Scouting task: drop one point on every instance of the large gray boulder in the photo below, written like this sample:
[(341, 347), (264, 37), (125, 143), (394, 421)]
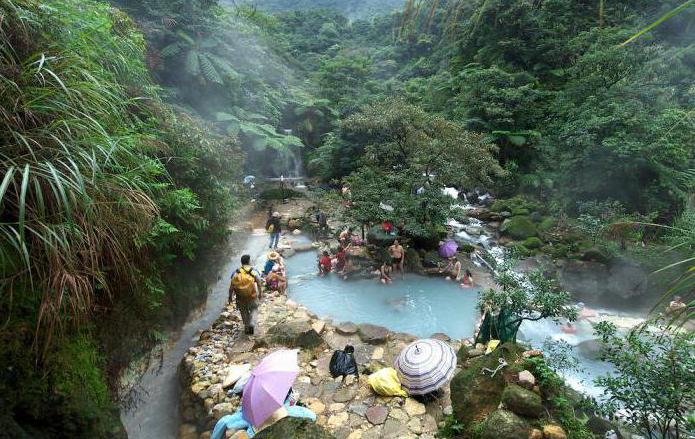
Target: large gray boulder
[(294, 334), (372, 334)]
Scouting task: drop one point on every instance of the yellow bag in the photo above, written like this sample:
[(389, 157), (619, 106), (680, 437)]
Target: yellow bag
[(385, 382), (271, 228), (492, 345)]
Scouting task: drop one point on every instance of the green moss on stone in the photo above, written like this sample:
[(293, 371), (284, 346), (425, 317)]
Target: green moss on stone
[(519, 227), (533, 243)]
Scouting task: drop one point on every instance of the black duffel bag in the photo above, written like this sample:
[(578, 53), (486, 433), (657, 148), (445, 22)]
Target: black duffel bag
[(343, 363)]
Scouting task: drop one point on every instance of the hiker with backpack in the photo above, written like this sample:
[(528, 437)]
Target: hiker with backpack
[(246, 287), (273, 227)]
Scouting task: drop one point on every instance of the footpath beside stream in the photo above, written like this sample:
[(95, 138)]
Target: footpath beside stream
[(156, 414)]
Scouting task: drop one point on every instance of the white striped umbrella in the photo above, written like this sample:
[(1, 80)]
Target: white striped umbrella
[(425, 365)]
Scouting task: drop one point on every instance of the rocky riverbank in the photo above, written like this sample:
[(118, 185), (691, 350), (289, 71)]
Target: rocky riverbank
[(350, 410)]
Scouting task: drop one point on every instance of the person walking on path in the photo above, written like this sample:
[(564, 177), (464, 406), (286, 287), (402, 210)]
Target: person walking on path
[(246, 287), (273, 227)]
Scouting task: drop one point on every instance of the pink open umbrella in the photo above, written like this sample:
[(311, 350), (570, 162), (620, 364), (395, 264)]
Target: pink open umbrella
[(267, 388), (448, 249)]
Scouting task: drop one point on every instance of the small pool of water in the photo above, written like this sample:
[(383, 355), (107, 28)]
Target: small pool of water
[(417, 305)]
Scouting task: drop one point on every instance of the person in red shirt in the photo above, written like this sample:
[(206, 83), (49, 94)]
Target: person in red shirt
[(324, 264), (340, 260), (387, 226)]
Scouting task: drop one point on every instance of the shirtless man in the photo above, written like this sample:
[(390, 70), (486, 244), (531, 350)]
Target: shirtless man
[(398, 256)]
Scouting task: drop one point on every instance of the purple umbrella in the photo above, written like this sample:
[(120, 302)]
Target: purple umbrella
[(267, 388), (448, 249)]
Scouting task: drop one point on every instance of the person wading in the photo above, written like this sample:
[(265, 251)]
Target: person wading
[(246, 287), (273, 227)]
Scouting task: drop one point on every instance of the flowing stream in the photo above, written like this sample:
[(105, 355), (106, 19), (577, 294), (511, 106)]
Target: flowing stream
[(157, 412)]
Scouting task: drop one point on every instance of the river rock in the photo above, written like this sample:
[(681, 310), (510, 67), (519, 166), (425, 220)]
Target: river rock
[(535, 434), (522, 402), (372, 334), (504, 424), (344, 395), (318, 326), (346, 328), (526, 379), (338, 419), (294, 334), (377, 414), (441, 337), (221, 409), (414, 408), (394, 429), (590, 349), (315, 405), (552, 431)]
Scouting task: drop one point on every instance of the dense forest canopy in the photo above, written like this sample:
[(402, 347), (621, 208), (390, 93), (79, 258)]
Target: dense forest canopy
[(126, 127)]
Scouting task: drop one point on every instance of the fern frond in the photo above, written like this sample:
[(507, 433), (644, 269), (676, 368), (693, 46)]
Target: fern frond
[(209, 70), (193, 63)]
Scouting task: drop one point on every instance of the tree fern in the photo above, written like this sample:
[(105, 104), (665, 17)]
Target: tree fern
[(209, 70), (193, 63)]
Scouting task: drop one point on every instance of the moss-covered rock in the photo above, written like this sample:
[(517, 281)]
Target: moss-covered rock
[(296, 429), (474, 395), (533, 243), (546, 224), (516, 204), (596, 255), (522, 402), (507, 425), (519, 227)]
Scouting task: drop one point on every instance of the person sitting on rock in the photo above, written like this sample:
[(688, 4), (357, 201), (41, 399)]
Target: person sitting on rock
[(276, 281), (453, 269), (385, 272), (325, 264)]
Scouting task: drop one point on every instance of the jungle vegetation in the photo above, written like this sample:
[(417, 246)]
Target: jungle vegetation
[(125, 128)]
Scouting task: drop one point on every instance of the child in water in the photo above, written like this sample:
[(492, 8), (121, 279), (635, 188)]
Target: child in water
[(467, 279), (385, 272)]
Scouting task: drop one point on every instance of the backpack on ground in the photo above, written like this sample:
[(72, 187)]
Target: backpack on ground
[(244, 284), (343, 363)]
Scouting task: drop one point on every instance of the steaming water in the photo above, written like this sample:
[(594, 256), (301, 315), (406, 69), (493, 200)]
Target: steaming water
[(416, 305), (422, 306)]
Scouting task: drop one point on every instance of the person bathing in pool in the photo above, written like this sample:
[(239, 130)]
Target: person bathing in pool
[(385, 272)]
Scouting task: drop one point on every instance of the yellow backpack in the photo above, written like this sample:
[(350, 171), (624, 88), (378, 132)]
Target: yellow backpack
[(244, 284)]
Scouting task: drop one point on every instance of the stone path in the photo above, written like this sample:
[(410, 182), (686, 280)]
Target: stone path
[(349, 410)]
